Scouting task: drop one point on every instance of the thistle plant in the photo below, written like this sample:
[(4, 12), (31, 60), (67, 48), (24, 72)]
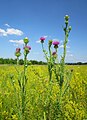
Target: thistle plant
[(58, 67), (20, 93), (17, 54)]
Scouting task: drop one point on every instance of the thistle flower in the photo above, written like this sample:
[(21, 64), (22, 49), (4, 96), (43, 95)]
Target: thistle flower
[(54, 54), (55, 43), (26, 40), (18, 49), (17, 53), (27, 49), (42, 39)]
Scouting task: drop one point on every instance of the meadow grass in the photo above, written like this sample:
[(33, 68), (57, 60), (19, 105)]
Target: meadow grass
[(74, 102)]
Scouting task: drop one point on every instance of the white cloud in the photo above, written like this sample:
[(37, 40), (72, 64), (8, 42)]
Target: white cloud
[(45, 36), (7, 25), (38, 41), (62, 46), (2, 32), (15, 45), (55, 39), (69, 55), (10, 31), (17, 42)]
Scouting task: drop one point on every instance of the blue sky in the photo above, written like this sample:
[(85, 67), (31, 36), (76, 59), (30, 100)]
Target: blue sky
[(36, 18)]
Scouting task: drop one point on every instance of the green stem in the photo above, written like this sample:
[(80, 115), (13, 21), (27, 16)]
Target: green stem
[(44, 52), (48, 61), (44, 116), (23, 91), (17, 60), (62, 70)]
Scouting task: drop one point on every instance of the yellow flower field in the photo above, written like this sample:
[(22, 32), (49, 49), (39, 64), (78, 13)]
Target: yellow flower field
[(38, 96)]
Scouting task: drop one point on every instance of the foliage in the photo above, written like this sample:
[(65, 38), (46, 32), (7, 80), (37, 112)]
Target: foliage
[(74, 103), (62, 76), (11, 61)]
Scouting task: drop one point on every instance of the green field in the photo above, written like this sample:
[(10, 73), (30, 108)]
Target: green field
[(38, 99)]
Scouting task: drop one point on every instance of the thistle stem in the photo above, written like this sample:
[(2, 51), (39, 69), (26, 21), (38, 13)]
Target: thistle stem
[(17, 60)]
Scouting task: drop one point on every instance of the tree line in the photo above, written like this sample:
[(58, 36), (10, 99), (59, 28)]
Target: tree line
[(21, 61), (31, 62)]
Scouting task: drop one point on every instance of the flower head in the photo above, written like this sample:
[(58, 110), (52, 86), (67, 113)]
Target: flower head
[(18, 49), (17, 53), (42, 39), (56, 43), (26, 40), (27, 49), (54, 54)]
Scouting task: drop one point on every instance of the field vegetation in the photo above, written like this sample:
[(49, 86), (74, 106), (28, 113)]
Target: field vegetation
[(74, 102)]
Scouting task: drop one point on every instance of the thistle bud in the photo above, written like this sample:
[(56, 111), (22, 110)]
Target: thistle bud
[(66, 17), (70, 28), (50, 43), (17, 54), (26, 40), (66, 22)]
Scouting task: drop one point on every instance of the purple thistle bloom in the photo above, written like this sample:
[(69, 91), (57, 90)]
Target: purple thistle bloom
[(27, 47), (18, 49), (17, 53), (55, 43), (42, 39), (54, 54)]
